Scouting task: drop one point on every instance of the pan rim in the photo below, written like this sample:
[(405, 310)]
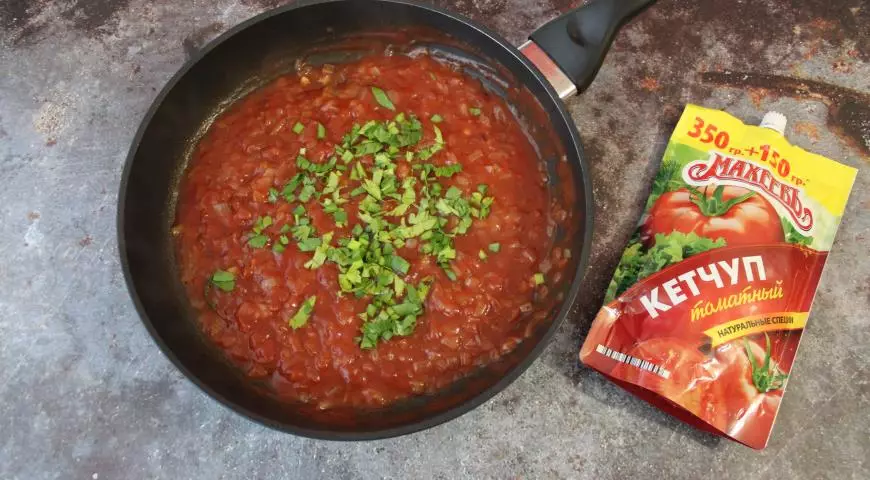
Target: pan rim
[(342, 435)]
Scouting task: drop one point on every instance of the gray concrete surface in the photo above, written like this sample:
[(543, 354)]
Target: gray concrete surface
[(84, 392)]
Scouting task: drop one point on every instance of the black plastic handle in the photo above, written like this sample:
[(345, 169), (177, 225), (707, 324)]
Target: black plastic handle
[(578, 40)]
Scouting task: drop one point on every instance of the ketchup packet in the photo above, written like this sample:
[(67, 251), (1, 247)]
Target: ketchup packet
[(706, 308)]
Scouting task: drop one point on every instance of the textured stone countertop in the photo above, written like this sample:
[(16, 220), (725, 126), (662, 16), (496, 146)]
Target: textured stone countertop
[(86, 394)]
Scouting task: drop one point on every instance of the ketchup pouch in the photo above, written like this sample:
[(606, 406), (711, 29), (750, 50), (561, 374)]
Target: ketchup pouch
[(706, 308)]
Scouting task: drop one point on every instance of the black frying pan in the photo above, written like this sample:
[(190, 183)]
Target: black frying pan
[(562, 57)]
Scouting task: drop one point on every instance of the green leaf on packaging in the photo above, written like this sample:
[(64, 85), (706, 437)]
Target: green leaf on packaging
[(637, 263), (792, 235)]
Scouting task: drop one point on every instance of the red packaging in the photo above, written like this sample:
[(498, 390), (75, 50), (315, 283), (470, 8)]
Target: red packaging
[(707, 306)]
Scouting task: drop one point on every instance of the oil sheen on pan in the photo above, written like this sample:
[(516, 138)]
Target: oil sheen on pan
[(358, 234)]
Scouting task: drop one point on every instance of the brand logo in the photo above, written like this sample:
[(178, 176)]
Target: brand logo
[(745, 172)]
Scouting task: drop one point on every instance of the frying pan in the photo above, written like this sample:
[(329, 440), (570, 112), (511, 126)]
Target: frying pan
[(560, 59)]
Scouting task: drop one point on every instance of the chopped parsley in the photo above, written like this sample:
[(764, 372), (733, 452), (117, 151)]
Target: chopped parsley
[(302, 315), (448, 170), (319, 253), (399, 264), (538, 278), (261, 223), (258, 241), (382, 324), (391, 211), (494, 247), (382, 98), (289, 190), (474, 111), (309, 244), (223, 280)]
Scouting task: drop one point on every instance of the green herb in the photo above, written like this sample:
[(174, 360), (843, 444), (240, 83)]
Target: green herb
[(306, 193), (448, 170), (538, 278), (427, 152), (637, 263), (391, 210), (261, 223), (474, 111), (481, 255), (302, 315), (480, 205), (298, 128), (373, 187), (223, 280), (340, 217), (399, 265), (384, 322), (382, 98), (290, 188), (463, 225), (398, 286), (319, 253), (494, 247), (367, 148), (309, 244), (258, 241), (332, 183)]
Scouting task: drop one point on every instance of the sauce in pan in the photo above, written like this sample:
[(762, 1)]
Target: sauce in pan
[(361, 233)]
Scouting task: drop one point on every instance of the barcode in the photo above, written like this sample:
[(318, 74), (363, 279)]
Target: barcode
[(636, 362)]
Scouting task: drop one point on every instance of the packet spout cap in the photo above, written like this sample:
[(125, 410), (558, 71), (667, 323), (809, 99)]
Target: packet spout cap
[(774, 121)]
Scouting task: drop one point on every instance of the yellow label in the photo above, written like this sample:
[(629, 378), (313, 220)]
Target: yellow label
[(827, 182), (767, 322)]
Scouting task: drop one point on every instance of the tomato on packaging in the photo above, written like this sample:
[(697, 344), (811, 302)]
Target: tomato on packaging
[(683, 363), (735, 214), (706, 308), (756, 382)]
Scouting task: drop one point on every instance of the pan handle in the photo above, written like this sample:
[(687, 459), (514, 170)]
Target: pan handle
[(577, 41)]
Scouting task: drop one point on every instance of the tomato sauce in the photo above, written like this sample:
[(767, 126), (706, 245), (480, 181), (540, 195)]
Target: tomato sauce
[(467, 323)]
